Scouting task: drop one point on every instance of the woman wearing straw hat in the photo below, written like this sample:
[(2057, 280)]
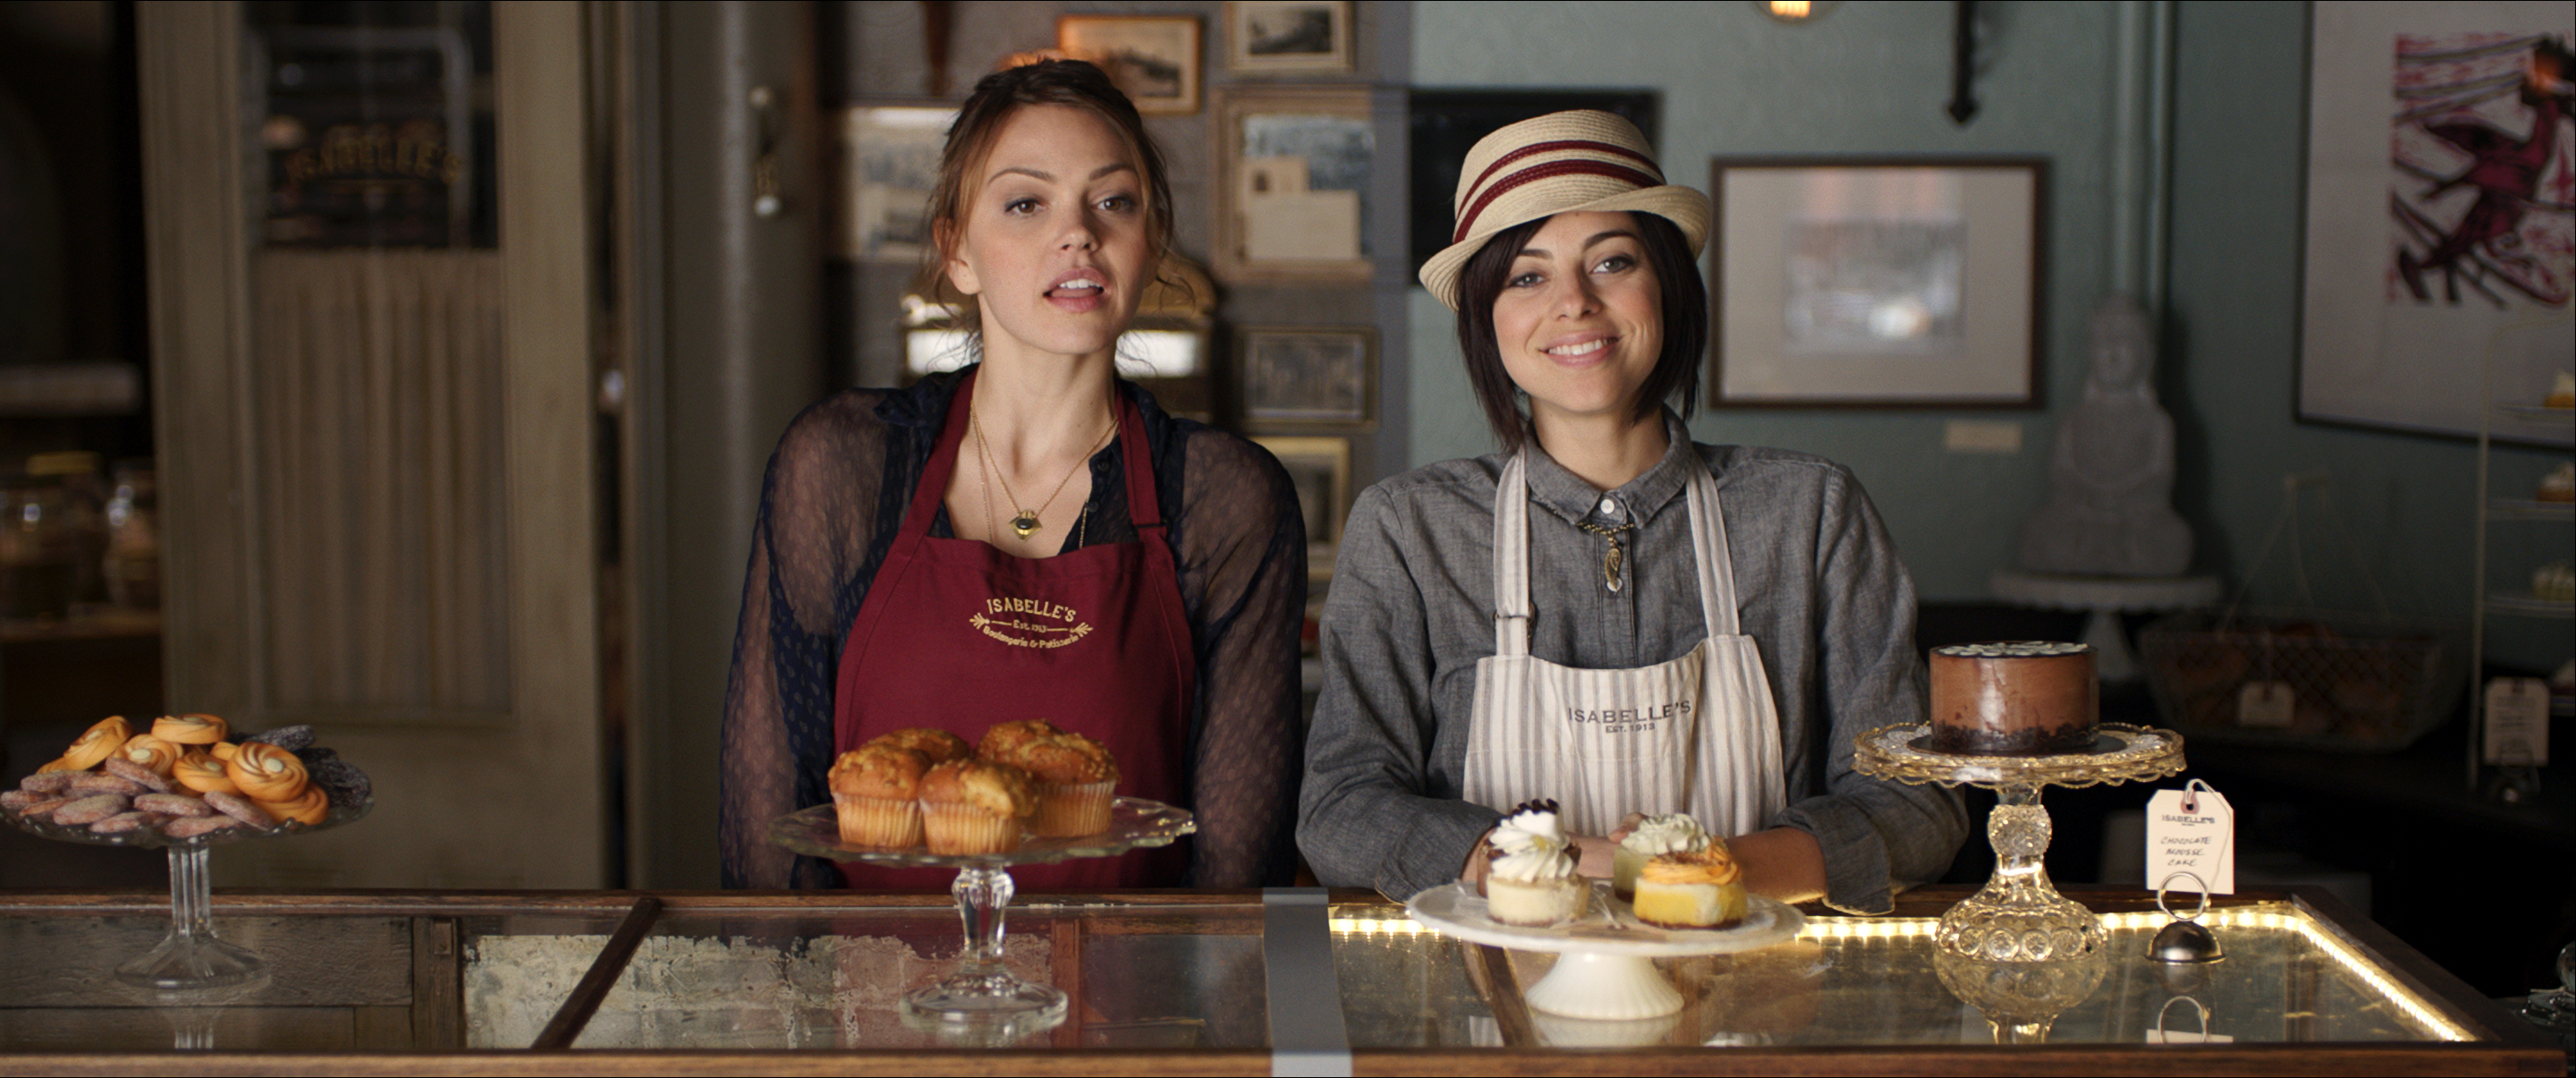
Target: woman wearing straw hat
[(1604, 612)]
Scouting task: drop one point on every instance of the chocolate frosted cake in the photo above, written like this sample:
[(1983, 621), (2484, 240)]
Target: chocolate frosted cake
[(2026, 698)]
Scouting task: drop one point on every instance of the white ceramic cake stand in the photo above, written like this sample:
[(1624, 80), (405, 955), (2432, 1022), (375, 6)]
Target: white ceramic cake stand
[(982, 993), (191, 958), (2018, 916), (1605, 967)]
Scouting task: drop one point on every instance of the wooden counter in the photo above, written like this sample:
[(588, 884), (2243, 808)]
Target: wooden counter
[(1169, 982)]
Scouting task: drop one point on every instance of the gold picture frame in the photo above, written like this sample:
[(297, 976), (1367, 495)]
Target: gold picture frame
[(1154, 58), (1293, 191)]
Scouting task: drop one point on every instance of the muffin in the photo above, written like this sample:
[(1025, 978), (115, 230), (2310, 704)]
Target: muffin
[(1657, 835), (936, 746), (971, 807), (876, 790), (1072, 775), (1692, 890)]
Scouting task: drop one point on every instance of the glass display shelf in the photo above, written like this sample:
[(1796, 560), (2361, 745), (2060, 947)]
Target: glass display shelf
[(466, 982)]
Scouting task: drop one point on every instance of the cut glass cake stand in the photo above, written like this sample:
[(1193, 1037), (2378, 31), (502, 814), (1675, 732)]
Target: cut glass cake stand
[(2019, 916), (982, 992), (191, 958)]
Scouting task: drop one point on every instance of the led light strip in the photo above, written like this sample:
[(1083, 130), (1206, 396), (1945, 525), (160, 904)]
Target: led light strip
[(1865, 928)]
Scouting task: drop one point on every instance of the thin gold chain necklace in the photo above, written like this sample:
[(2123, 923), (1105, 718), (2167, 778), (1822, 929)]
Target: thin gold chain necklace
[(1025, 522)]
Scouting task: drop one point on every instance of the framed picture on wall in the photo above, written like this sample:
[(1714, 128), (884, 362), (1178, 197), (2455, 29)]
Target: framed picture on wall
[(1321, 470), (1288, 36), (1292, 197), (1155, 58), (2440, 237), (888, 159), (1307, 376), (1876, 282)]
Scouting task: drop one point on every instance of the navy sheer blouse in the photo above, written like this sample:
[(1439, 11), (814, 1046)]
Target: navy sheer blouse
[(837, 489)]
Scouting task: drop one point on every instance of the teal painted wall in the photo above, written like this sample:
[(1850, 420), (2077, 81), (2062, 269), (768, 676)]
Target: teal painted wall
[(1868, 78), (2408, 501), (1872, 78)]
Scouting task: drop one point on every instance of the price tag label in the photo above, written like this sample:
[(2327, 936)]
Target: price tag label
[(2266, 705), (2191, 830), (2517, 727)]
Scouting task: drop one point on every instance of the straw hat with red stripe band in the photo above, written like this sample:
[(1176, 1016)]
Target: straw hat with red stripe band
[(1564, 162)]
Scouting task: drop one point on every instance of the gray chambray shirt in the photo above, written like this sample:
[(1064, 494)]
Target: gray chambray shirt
[(1818, 586)]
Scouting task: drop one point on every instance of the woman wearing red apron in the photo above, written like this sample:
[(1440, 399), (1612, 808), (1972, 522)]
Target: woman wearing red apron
[(1030, 538), (1606, 613)]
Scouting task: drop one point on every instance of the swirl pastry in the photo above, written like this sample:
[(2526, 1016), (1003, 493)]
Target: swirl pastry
[(266, 773), (190, 729), (974, 806), (200, 771), (104, 737), (307, 807), (153, 753)]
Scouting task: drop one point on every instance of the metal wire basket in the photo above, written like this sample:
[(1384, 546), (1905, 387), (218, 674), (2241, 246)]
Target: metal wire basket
[(2347, 682)]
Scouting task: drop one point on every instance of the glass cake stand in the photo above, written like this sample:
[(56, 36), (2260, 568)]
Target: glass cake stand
[(2019, 916), (192, 958), (982, 991), (1606, 970)]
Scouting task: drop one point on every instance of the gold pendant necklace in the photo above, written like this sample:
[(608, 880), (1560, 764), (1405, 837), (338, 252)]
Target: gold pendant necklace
[(1025, 523)]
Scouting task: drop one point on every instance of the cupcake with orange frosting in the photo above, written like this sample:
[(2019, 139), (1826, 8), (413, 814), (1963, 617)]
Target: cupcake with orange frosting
[(1692, 890), (971, 807), (1073, 775)]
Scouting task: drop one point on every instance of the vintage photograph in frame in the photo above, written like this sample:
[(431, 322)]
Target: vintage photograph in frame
[(889, 161), (2440, 246), (1309, 376), (1155, 58), (1321, 469), (1293, 195), (1288, 36), (1876, 282)]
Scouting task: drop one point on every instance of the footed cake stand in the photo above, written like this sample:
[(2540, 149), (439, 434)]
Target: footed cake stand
[(982, 992), (1605, 969), (191, 959), (2019, 916)]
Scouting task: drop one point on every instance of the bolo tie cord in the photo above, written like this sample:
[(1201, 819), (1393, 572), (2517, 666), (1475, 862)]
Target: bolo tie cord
[(1612, 560)]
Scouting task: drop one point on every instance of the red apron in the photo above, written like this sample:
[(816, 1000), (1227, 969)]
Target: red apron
[(958, 636)]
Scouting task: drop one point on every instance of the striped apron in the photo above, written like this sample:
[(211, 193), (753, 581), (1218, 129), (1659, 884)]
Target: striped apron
[(1698, 734)]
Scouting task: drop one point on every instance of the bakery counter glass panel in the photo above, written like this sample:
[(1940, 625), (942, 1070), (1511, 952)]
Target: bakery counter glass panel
[(2288, 977), (334, 984), (1153, 975)]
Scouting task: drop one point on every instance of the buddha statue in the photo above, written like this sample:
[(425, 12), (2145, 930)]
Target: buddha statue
[(2110, 479)]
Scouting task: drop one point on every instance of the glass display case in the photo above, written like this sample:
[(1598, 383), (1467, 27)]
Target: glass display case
[(1235, 980)]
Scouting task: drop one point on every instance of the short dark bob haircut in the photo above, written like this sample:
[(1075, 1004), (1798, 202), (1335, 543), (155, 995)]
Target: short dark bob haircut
[(1683, 296)]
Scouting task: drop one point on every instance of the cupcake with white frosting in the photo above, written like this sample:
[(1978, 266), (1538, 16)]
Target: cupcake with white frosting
[(1529, 877)]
